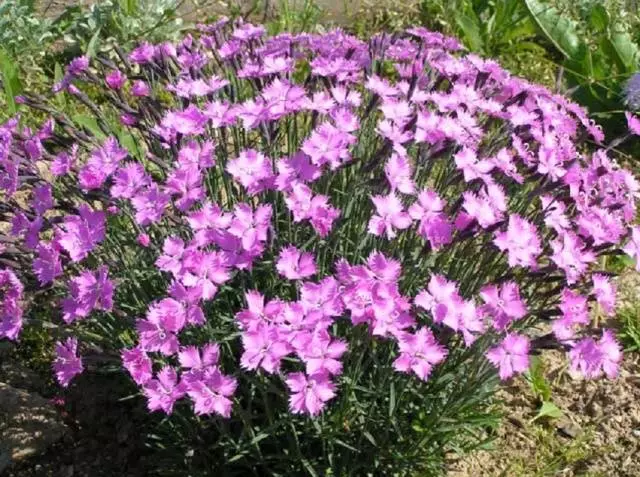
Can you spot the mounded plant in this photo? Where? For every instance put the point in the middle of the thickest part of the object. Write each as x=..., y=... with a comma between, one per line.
x=315, y=254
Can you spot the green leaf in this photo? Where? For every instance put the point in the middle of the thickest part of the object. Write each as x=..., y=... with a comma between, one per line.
x=537, y=380
x=599, y=18
x=89, y=123
x=560, y=31
x=92, y=45
x=58, y=74
x=625, y=50
x=10, y=81
x=470, y=28
x=548, y=410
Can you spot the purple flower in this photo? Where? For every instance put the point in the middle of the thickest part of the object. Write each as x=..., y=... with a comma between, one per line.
x=158, y=332
x=511, y=356
x=163, y=391
x=115, y=79
x=419, y=353
x=186, y=183
x=309, y=394
x=67, y=364
x=64, y=162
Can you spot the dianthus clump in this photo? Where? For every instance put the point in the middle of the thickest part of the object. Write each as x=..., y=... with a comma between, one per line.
x=301, y=214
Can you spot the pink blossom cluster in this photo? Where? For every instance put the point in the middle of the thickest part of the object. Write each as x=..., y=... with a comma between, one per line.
x=284, y=161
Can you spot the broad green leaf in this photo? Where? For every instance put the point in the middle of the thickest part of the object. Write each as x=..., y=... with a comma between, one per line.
x=599, y=18
x=625, y=49
x=10, y=80
x=548, y=409
x=560, y=31
x=89, y=123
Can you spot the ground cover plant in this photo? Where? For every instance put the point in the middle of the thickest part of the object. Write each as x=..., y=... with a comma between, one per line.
x=315, y=254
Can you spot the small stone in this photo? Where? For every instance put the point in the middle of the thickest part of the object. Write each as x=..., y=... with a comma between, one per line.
x=568, y=428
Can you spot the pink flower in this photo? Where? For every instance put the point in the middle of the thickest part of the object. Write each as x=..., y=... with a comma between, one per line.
x=632, y=248
x=264, y=348
x=211, y=393
x=590, y=358
x=190, y=121
x=143, y=239
x=511, y=356
x=633, y=123
x=47, y=266
x=605, y=292
x=171, y=258
x=294, y=264
x=434, y=224
x=321, y=354
x=503, y=304
x=81, y=233
x=488, y=207
x=163, y=391
x=159, y=331
x=328, y=145
x=309, y=393
x=575, y=312
x=129, y=180
x=390, y=215
x=11, y=312
x=140, y=89
x=472, y=167
x=115, y=79
x=571, y=255
x=89, y=291
x=252, y=170
x=521, y=241
x=138, y=364
x=191, y=357
x=186, y=183
x=149, y=204
x=419, y=353
x=67, y=364
x=399, y=172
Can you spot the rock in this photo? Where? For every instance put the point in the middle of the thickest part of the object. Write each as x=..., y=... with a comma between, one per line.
x=568, y=428
x=29, y=424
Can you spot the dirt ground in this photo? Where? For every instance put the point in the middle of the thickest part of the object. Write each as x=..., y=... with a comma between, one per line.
x=598, y=434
